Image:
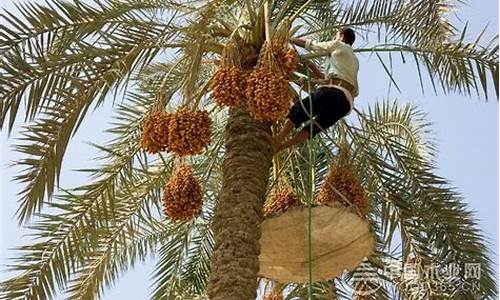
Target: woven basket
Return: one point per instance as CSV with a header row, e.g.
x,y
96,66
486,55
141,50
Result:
x,y
340,241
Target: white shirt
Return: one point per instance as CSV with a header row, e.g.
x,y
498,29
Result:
x,y
341,63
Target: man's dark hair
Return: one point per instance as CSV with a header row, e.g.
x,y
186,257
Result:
x,y
349,35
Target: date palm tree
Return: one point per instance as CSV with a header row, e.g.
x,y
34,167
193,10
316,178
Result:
x,y
63,58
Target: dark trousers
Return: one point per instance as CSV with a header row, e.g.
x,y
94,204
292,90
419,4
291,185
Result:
x,y
329,105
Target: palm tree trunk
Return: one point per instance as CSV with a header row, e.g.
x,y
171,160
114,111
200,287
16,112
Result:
x,y
247,162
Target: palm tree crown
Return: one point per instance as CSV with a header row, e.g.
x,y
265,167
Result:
x,y
63,58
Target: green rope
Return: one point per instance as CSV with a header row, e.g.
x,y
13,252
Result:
x,y
310,187
311,190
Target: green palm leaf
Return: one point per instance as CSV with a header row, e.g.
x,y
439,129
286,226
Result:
x,y
63,57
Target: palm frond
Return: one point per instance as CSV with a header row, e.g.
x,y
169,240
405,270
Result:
x,y
410,22
81,209
435,224
131,209
64,56
83,55
46,140
101,266
457,66
184,261
183,265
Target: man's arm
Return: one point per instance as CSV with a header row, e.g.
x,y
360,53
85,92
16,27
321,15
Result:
x,y
299,42
320,47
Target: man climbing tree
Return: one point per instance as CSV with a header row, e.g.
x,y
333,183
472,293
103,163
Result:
x,y
334,96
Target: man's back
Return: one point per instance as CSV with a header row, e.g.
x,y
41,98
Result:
x,y
341,63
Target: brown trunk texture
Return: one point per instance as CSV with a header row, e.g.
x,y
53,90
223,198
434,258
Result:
x,y
247,162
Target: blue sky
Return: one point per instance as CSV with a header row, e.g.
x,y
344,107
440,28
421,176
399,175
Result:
x,y
466,130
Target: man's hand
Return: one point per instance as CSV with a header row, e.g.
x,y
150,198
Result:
x,y
299,42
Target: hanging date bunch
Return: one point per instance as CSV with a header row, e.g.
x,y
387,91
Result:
x,y
227,83
189,131
341,177
267,90
154,135
281,198
286,57
182,196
